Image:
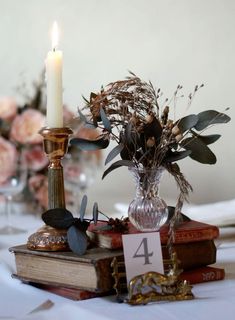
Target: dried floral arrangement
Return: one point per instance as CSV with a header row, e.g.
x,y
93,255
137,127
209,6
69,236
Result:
x,y
133,114
129,113
19,126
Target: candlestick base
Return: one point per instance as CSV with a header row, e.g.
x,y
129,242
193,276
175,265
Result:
x,y
55,141
48,239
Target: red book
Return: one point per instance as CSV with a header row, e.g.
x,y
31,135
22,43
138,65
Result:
x,y
188,231
69,293
203,274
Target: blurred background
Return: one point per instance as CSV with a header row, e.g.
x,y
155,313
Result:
x,y
169,42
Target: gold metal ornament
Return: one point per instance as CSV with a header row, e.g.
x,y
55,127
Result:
x,y
152,286
55,141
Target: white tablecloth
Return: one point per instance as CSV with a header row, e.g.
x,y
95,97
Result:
x,y
214,300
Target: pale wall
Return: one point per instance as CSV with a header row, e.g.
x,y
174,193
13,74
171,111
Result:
x,y
168,41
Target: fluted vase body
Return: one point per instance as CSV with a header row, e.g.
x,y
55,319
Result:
x,y
147,212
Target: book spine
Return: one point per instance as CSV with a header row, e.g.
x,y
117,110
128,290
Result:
x,y
192,236
203,274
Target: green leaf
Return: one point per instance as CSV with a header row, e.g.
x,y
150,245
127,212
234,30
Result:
x,y
82,210
90,125
105,120
187,122
116,165
82,116
81,225
58,218
95,212
153,129
89,145
200,151
210,117
175,156
77,240
208,139
114,152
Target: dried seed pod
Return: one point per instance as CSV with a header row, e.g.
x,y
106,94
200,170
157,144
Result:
x,y
178,137
149,118
175,130
164,116
150,142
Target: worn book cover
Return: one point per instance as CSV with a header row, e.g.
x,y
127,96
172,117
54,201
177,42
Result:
x,y
69,293
203,274
91,271
188,231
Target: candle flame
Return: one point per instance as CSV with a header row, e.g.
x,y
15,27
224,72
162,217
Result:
x,y
55,35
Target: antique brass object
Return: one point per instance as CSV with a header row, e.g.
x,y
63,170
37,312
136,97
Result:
x,y
152,286
55,141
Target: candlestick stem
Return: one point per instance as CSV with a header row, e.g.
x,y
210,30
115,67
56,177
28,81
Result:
x,y
55,141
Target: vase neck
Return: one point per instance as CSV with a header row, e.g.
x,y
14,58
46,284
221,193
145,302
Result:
x,y
147,181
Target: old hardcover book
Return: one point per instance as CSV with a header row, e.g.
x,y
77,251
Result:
x,y
91,272
193,254
188,231
203,274
70,293
198,275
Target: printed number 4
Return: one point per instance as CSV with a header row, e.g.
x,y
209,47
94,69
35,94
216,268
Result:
x,y
146,254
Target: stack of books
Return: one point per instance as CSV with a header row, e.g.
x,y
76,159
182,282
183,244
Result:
x,y
194,245
90,275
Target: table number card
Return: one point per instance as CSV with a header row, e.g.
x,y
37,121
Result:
x,y
142,253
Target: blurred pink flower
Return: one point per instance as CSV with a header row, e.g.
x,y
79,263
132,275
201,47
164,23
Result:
x,y
25,127
8,108
8,157
38,185
35,158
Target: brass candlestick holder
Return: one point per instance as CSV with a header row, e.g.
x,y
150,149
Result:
x,y
55,141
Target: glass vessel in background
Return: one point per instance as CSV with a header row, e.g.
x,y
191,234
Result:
x,y
13,185
79,174
147,212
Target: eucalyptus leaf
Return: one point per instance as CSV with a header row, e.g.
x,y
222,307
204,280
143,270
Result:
x,y
116,165
114,152
200,151
77,240
210,117
128,133
175,156
83,206
95,212
187,122
90,125
58,218
105,120
81,225
82,116
208,139
89,145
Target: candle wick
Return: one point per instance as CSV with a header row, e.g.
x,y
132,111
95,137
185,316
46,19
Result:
x,y
54,49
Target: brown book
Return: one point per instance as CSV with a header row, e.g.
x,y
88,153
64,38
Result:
x,y
69,293
188,231
203,274
193,254
91,271
198,275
